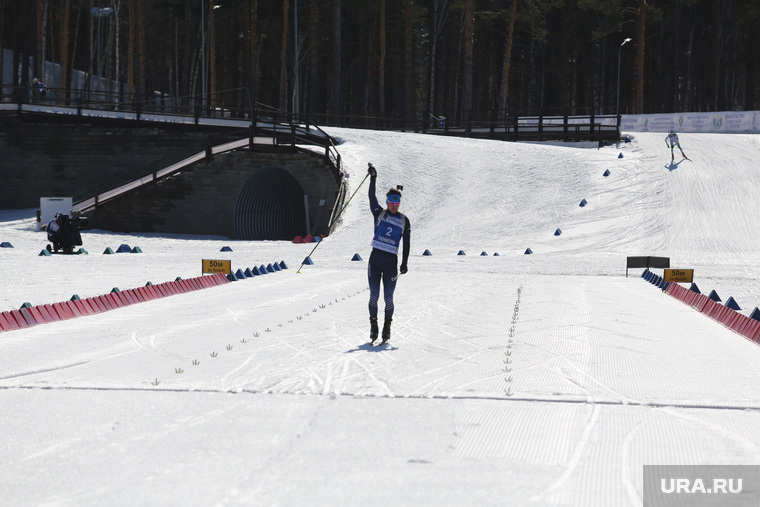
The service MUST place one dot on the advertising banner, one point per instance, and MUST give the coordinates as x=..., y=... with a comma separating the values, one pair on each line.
x=745, y=122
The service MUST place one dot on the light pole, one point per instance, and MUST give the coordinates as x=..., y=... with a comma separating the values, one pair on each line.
x=205, y=57
x=617, y=103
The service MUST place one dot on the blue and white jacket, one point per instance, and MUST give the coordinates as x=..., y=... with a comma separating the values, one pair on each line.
x=391, y=230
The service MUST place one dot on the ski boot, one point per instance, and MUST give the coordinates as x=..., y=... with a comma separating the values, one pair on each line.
x=386, y=330
x=372, y=330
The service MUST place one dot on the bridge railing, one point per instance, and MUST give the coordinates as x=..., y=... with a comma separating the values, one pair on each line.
x=164, y=108
x=262, y=136
x=263, y=129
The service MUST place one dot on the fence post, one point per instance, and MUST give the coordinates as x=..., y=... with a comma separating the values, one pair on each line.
x=567, y=125
x=541, y=125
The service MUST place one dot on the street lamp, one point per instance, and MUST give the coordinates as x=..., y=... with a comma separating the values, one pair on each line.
x=204, y=56
x=617, y=104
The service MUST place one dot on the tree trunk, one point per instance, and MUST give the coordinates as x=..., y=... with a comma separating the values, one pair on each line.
x=366, y=80
x=335, y=94
x=184, y=78
x=381, y=77
x=2, y=41
x=65, y=46
x=751, y=76
x=77, y=24
x=640, y=59
x=408, y=66
x=503, y=104
x=142, y=90
x=455, y=75
x=439, y=14
x=313, y=90
x=685, y=104
x=91, y=59
x=131, y=47
x=252, y=63
x=212, y=55
x=109, y=52
x=284, y=58
x=469, y=30
x=173, y=67
x=717, y=47
x=117, y=45
x=39, y=54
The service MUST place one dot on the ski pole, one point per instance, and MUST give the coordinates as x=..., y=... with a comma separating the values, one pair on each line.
x=334, y=220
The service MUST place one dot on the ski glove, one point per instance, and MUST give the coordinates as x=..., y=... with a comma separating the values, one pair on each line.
x=403, y=269
x=372, y=171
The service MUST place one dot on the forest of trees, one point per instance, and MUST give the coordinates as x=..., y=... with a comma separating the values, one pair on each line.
x=353, y=61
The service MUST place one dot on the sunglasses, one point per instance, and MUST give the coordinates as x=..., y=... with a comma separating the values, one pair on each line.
x=394, y=199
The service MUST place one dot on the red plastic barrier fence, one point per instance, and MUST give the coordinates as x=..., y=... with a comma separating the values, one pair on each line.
x=741, y=324
x=19, y=316
x=42, y=314
x=5, y=324
x=37, y=314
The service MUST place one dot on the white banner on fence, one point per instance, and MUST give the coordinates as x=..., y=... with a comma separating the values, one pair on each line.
x=570, y=120
x=718, y=122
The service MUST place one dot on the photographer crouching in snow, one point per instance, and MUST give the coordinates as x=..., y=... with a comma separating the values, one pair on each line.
x=63, y=233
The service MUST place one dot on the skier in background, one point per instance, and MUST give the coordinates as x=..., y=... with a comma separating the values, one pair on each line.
x=391, y=229
x=672, y=141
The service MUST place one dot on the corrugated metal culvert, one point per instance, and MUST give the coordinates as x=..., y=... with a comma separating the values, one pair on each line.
x=270, y=206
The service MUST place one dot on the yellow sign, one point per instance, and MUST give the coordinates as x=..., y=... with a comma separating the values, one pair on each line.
x=211, y=266
x=679, y=275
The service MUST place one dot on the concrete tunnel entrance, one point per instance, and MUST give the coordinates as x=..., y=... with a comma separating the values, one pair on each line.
x=270, y=206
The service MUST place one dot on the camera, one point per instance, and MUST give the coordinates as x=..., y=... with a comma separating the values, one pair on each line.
x=78, y=219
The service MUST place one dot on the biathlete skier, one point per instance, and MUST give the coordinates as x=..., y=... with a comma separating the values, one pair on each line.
x=672, y=142
x=391, y=229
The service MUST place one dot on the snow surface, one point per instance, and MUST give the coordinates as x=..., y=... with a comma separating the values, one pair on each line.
x=288, y=405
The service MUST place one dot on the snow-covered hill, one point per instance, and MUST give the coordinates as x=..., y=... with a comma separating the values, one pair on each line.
x=543, y=379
